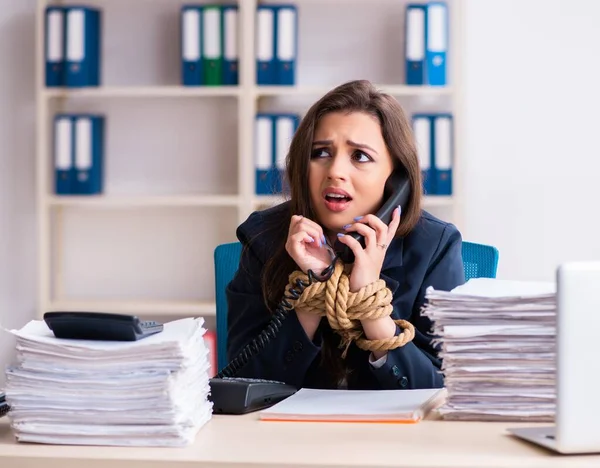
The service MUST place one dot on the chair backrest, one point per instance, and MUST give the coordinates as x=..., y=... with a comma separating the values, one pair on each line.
x=227, y=259
x=480, y=261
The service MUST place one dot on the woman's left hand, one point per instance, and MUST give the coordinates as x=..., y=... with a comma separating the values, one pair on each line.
x=368, y=261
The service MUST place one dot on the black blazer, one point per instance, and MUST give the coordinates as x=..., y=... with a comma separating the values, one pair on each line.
x=430, y=255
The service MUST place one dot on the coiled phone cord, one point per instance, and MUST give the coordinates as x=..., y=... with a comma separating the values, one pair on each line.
x=281, y=312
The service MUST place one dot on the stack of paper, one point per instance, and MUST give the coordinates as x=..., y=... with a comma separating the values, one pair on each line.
x=151, y=392
x=498, y=348
x=307, y=404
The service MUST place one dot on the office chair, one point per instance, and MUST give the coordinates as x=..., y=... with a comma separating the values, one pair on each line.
x=480, y=261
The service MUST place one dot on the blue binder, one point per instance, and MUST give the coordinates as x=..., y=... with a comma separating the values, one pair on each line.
x=286, y=44
x=230, y=45
x=437, y=44
x=415, y=27
x=64, y=168
x=434, y=138
x=284, y=128
x=264, y=154
x=423, y=132
x=191, y=45
x=265, y=44
x=54, y=50
x=88, y=153
x=83, y=40
x=443, y=143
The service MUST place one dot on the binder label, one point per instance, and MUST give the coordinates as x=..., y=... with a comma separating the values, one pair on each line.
x=264, y=143
x=443, y=143
x=264, y=30
x=422, y=132
x=191, y=35
x=436, y=40
x=76, y=36
x=62, y=143
x=212, y=33
x=415, y=47
x=230, y=34
x=285, y=34
x=83, y=145
x=284, y=133
x=55, y=36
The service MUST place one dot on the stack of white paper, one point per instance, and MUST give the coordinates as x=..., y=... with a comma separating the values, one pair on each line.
x=151, y=392
x=498, y=347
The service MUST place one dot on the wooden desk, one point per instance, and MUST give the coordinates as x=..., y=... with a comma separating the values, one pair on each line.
x=236, y=441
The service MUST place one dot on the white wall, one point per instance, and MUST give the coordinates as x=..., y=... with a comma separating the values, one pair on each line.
x=17, y=183
x=532, y=138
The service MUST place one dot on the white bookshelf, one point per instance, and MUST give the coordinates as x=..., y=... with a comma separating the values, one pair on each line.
x=145, y=246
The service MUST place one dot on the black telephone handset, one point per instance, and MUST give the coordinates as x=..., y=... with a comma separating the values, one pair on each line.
x=396, y=192
x=238, y=395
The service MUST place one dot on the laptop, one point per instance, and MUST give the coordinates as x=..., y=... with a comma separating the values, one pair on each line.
x=577, y=421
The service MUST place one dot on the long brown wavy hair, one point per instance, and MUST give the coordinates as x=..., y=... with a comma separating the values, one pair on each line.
x=354, y=96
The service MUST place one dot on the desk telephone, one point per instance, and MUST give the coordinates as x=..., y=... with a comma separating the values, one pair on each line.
x=235, y=395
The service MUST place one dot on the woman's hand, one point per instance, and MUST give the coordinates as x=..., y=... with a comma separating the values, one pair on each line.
x=306, y=245
x=368, y=261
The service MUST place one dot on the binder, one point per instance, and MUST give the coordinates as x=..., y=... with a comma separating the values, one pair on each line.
x=414, y=43
x=83, y=38
x=437, y=43
x=230, y=45
x=265, y=45
x=54, y=36
x=212, y=53
x=64, y=172
x=191, y=45
x=286, y=32
x=443, y=154
x=264, y=154
x=88, y=146
x=285, y=128
x=422, y=128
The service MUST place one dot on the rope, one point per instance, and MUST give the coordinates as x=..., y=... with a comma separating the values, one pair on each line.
x=344, y=309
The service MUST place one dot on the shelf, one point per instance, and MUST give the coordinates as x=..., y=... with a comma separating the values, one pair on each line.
x=428, y=201
x=142, y=91
x=267, y=200
x=234, y=91
x=437, y=200
x=143, y=308
x=125, y=201
x=395, y=90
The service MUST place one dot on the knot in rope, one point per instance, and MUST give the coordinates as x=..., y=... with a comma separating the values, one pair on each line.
x=345, y=309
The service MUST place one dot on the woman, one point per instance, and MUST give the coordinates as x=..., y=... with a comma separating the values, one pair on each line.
x=344, y=150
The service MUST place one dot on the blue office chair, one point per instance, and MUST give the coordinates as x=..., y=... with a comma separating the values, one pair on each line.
x=480, y=261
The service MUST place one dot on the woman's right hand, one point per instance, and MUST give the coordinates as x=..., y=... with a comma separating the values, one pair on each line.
x=306, y=245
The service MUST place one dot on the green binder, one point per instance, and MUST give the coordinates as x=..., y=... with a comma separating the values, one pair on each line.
x=212, y=45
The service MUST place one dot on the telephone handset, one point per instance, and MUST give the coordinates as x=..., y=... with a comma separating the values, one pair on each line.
x=396, y=192
x=237, y=395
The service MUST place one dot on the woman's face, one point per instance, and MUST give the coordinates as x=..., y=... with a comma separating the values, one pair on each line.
x=348, y=168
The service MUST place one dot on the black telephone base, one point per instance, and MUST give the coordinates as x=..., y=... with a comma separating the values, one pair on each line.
x=239, y=395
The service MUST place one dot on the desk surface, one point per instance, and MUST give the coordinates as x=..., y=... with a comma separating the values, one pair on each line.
x=235, y=441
